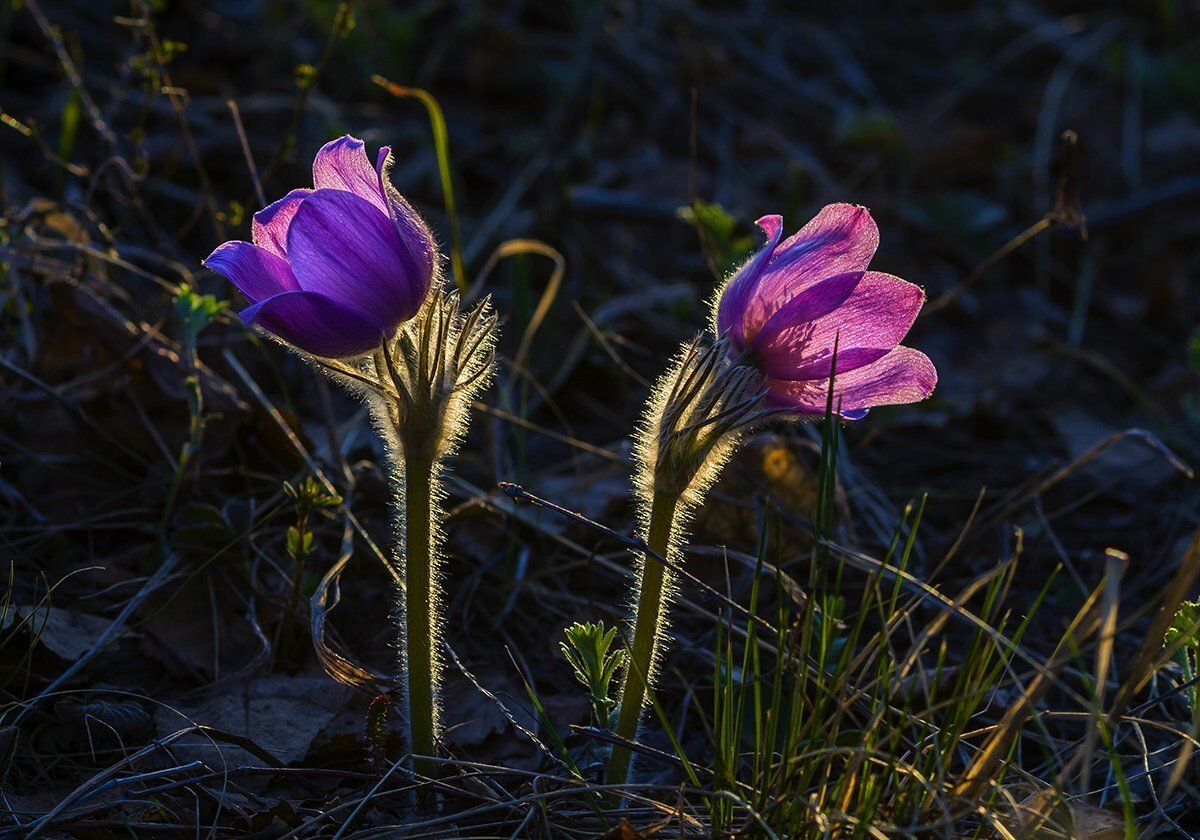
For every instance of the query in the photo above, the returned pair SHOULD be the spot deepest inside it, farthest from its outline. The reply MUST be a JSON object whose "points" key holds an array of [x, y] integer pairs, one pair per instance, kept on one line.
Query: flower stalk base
{"points": [[651, 585], [418, 612]]}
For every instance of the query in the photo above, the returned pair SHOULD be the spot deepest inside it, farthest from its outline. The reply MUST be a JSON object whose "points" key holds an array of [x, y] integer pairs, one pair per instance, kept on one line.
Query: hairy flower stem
{"points": [[646, 631], [419, 386], [418, 583], [695, 415]]}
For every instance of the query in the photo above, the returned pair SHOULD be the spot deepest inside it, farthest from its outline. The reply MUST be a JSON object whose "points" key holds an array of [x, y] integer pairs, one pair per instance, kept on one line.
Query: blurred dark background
{"points": [[640, 140]]}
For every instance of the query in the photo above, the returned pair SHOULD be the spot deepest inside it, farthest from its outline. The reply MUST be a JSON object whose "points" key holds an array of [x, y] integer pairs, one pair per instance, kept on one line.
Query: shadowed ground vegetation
{"points": [[944, 620]]}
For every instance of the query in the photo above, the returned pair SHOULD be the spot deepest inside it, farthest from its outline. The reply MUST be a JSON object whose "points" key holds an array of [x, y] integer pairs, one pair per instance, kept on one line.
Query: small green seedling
{"points": [[724, 246], [307, 496], [589, 650], [195, 312], [1185, 630]]}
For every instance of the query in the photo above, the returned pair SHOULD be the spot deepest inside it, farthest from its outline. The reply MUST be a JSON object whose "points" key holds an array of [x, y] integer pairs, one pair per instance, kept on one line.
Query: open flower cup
{"points": [[796, 302], [334, 270]]}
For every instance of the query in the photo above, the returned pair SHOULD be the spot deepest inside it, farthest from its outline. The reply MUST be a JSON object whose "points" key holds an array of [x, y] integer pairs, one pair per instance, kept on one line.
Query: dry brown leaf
{"points": [[280, 713], [1097, 824], [1048, 815], [65, 633], [624, 831]]}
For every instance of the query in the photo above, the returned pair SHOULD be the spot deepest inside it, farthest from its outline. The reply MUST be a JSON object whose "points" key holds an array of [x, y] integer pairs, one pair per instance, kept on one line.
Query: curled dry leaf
{"points": [[1048, 815], [67, 634]]}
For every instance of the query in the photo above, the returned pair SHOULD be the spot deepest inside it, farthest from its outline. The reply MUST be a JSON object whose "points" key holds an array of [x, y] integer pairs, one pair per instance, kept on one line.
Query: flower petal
{"points": [[738, 289], [903, 375], [841, 238], [414, 233], [256, 272], [268, 228], [342, 164], [343, 247], [783, 342], [868, 323], [316, 324]]}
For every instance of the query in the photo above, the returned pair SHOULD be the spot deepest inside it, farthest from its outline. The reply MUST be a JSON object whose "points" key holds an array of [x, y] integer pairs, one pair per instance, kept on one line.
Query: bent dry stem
{"points": [[646, 628], [418, 627]]}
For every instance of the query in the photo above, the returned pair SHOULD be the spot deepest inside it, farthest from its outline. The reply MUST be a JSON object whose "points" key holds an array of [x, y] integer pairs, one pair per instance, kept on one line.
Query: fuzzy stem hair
{"points": [[421, 603], [694, 418], [419, 386]]}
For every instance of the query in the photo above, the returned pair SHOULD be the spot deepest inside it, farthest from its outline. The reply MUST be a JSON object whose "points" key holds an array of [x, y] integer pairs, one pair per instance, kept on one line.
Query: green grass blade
{"points": [[441, 144]]}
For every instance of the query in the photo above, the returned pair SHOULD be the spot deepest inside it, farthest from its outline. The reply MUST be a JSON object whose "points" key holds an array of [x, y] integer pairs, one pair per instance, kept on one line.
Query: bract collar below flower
{"points": [[793, 302], [334, 270]]}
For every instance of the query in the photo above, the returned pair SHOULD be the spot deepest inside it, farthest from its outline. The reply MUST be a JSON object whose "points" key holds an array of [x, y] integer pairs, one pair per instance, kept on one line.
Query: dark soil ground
{"points": [[1061, 273]]}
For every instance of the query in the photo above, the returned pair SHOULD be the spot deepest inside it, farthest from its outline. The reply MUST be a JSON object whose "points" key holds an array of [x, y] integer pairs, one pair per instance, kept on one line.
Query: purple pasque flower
{"points": [[336, 269], [793, 301]]}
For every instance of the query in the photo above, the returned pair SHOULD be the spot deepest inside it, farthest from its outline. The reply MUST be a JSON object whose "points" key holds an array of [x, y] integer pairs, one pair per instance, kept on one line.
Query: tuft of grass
{"points": [[890, 709]]}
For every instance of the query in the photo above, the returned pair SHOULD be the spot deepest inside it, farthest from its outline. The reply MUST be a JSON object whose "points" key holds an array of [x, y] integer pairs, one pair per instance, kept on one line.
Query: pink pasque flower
{"points": [[793, 301]]}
